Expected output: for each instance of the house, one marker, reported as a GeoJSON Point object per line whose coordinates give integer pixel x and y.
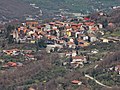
{"type": "Point", "coordinates": [112, 25]}
{"type": "Point", "coordinates": [15, 34]}
{"type": "Point", "coordinates": [21, 40]}
{"type": "Point", "coordinates": [94, 28]}
{"type": "Point", "coordinates": [31, 23]}
{"type": "Point", "coordinates": [100, 25]}
{"type": "Point", "coordinates": [117, 68]}
{"type": "Point", "coordinates": [76, 82]}
{"type": "Point", "coordinates": [30, 57]}
{"type": "Point", "coordinates": [33, 42]}
{"type": "Point", "coordinates": [79, 59]}
{"type": "Point", "coordinates": [101, 14]}
{"type": "Point", "coordinates": [47, 27]}
{"type": "Point", "coordinates": [60, 41]}
{"type": "Point", "coordinates": [2, 29]}
{"type": "Point", "coordinates": [51, 37]}
{"type": "Point", "coordinates": [71, 44]}
{"type": "Point", "coordinates": [92, 38]}
{"type": "Point", "coordinates": [12, 64]}
{"type": "Point", "coordinates": [31, 88]}
{"type": "Point", "coordinates": [8, 52]}
{"type": "Point", "coordinates": [11, 52]}
{"type": "Point", "coordinates": [19, 64]}
{"type": "Point", "coordinates": [54, 27]}
{"type": "Point", "coordinates": [86, 18]}
{"type": "Point", "coordinates": [104, 40]}
{"type": "Point", "coordinates": [68, 54]}
{"type": "Point", "coordinates": [84, 37]}
{"type": "Point", "coordinates": [53, 46]}
{"type": "Point", "coordinates": [73, 53]}
{"type": "Point", "coordinates": [68, 33]}
{"type": "Point", "coordinates": [77, 34]}
{"type": "Point", "coordinates": [27, 51]}
{"type": "Point", "coordinates": [82, 43]}
{"type": "Point", "coordinates": [89, 24]}
{"type": "Point", "coordinates": [95, 51]}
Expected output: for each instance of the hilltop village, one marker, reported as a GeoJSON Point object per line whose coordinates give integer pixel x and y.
{"type": "Point", "coordinates": [59, 54]}
{"type": "Point", "coordinates": [66, 37]}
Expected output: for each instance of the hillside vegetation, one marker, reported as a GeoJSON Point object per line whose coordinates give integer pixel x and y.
{"type": "Point", "coordinates": [75, 5]}
{"type": "Point", "coordinates": [14, 9]}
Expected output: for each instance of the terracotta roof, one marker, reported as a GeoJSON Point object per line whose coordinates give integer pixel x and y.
{"type": "Point", "coordinates": [89, 23]}
{"type": "Point", "coordinates": [28, 51]}
{"type": "Point", "coordinates": [111, 24]}
{"type": "Point", "coordinates": [10, 51]}
{"type": "Point", "coordinates": [54, 29]}
{"type": "Point", "coordinates": [74, 27]}
{"type": "Point", "coordinates": [52, 23]}
{"type": "Point", "coordinates": [94, 28]}
{"type": "Point", "coordinates": [118, 66]}
{"type": "Point", "coordinates": [39, 27]}
{"type": "Point", "coordinates": [74, 24]}
{"type": "Point", "coordinates": [51, 37]}
{"type": "Point", "coordinates": [86, 18]}
{"type": "Point", "coordinates": [41, 32]}
{"type": "Point", "coordinates": [78, 57]}
{"type": "Point", "coordinates": [75, 81]}
{"type": "Point", "coordinates": [58, 22]}
{"type": "Point", "coordinates": [12, 64]}
{"type": "Point", "coordinates": [29, 55]}
{"type": "Point", "coordinates": [70, 43]}
{"type": "Point", "coordinates": [79, 40]}
{"type": "Point", "coordinates": [91, 35]}
{"type": "Point", "coordinates": [68, 27]}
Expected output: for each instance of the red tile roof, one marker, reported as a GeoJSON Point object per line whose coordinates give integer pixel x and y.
{"type": "Point", "coordinates": [75, 81]}
{"type": "Point", "coordinates": [89, 23]}
{"type": "Point", "coordinates": [78, 57]}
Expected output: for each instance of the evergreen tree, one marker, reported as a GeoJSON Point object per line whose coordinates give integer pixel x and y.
{"type": "Point", "coordinates": [9, 30]}
{"type": "Point", "coordinates": [41, 43]}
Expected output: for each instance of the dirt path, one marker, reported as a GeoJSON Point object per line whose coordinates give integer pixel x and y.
{"type": "Point", "coordinates": [97, 81]}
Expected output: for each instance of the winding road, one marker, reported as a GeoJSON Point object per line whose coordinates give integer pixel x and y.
{"type": "Point", "coordinates": [97, 81]}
